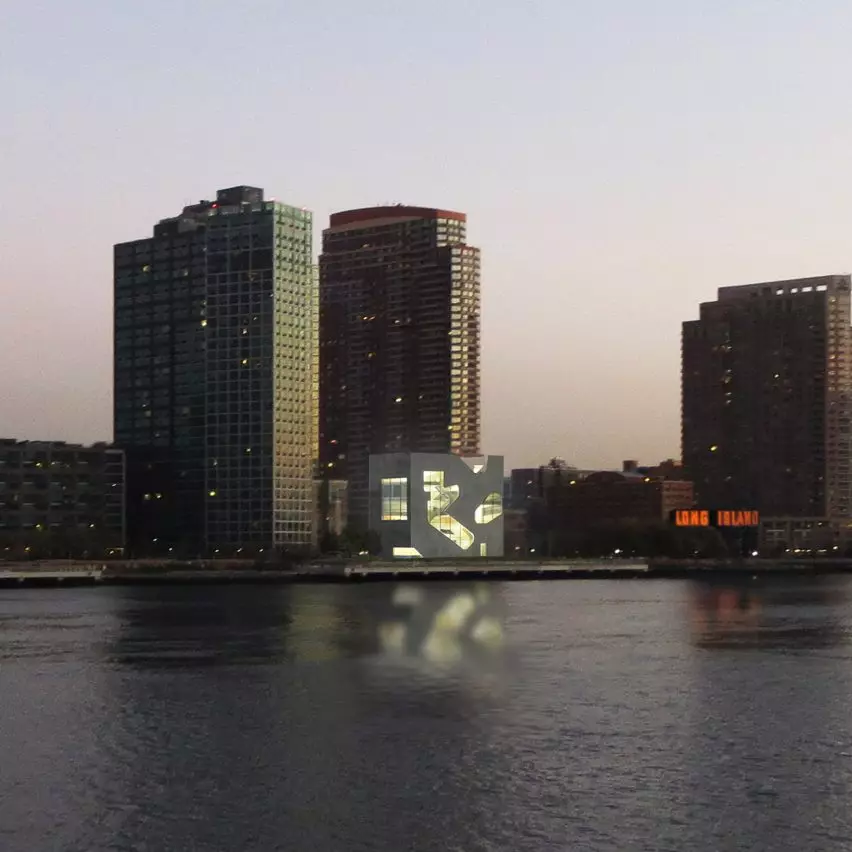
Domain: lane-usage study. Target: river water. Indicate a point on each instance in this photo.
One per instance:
(587, 715)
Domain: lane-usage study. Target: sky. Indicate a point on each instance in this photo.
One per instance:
(618, 161)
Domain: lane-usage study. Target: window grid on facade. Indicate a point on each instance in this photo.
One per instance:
(395, 499)
(216, 371)
(399, 363)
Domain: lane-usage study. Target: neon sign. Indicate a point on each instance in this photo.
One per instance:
(716, 518)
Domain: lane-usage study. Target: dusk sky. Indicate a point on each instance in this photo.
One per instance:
(618, 161)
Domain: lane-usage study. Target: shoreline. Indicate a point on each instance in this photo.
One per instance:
(153, 573)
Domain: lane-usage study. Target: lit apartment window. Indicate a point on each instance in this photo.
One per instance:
(395, 499)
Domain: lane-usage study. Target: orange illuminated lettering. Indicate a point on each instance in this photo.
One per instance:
(737, 518)
(717, 518)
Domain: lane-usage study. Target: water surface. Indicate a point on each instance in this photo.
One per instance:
(593, 715)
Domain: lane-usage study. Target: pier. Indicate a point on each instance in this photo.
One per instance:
(210, 572)
(475, 569)
(154, 572)
(50, 574)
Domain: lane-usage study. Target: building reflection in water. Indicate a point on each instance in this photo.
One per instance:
(290, 701)
(780, 612)
(769, 724)
(195, 626)
(443, 624)
(438, 623)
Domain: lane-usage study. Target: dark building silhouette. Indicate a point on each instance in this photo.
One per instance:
(399, 340)
(666, 469)
(557, 498)
(60, 500)
(766, 398)
(215, 376)
(529, 485)
(608, 497)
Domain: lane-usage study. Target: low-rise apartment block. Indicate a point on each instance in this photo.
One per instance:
(60, 500)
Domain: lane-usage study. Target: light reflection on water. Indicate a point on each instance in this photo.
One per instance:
(441, 624)
(553, 715)
(755, 613)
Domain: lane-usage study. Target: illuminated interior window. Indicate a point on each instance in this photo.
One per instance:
(433, 478)
(490, 509)
(406, 552)
(441, 497)
(395, 499)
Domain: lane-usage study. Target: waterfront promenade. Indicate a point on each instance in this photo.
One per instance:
(70, 572)
(160, 572)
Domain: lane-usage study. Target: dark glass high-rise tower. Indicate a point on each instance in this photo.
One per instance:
(767, 398)
(215, 377)
(399, 340)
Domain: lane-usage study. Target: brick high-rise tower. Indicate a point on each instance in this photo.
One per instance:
(399, 340)
(767, 398)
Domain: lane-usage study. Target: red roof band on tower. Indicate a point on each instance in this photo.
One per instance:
(391, 211)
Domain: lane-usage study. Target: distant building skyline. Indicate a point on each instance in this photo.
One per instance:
(215, 376)
(612, 496)
(527, 485)
(399, 340)
(681, 159)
